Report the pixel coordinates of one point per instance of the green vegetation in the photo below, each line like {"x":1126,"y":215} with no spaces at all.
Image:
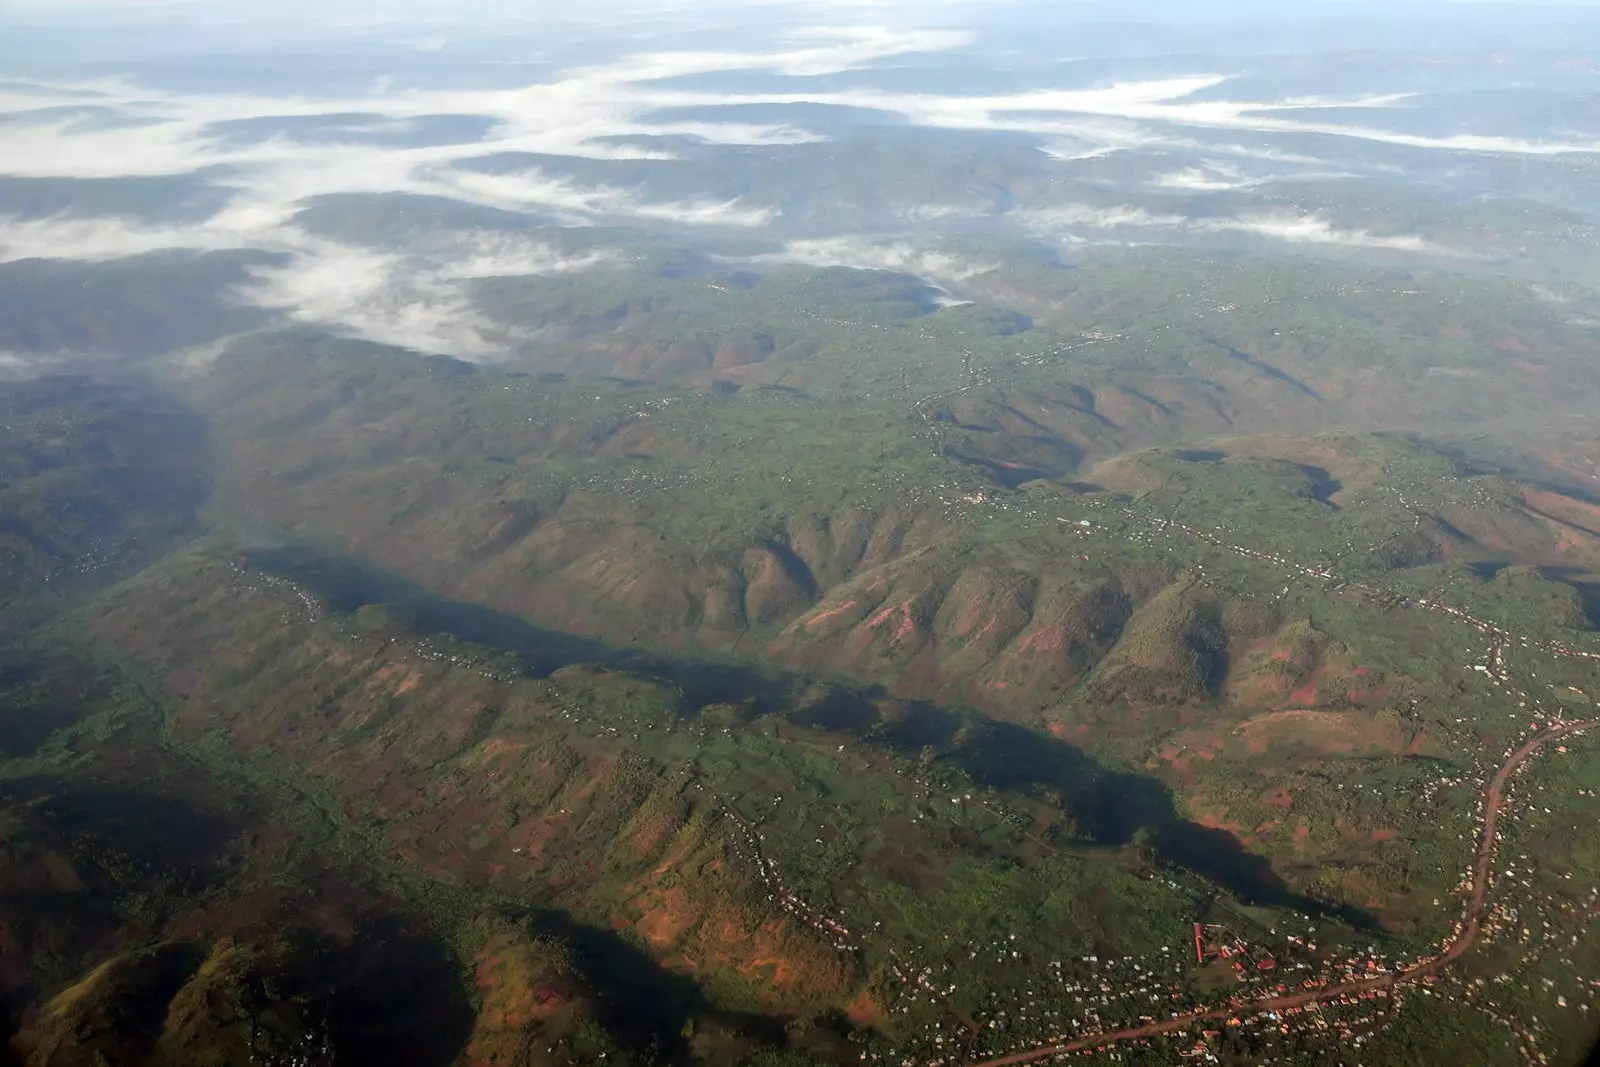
{"x":772,"y":668}
{"x":127,"y":309}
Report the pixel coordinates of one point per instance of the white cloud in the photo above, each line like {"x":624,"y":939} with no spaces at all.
{"x":93,"y":240}
{"x":1210,"y":178}
{"x":592,"y":112}
{"x":415,"y":299}
{"x":1294,"y":229}
{"x":832,"y":49}
{"x":1271,"y":155}
{"x":1312,"y":229}
{"x":1546,"y":295}
{"x":20,"y":365}
{"x":534,"y":189}
{"x":582,"y":113}
{"x":1083,"y":113}
{"x":365,"y":293}
{"x":1215,"y":177}
{"x":733,"y":133}
{"x":940,"y":212}
{"x":1100,"y":218}
{"x":900,"y":256}
{"x":498,"y":255}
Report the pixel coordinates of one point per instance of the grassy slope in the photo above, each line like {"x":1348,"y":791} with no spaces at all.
{"x":878,"y":539}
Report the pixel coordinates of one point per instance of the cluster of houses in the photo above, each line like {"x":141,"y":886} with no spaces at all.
{"x":840,"y":935}
{"x":1074,"y":1001}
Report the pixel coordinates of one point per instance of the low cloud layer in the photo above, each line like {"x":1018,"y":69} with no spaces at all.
{"x":601,"y":112}
{"x":417,"y":299}
{"x":1302,"y":229}
{"x":535,"y":190}
{"x":414,"y":299}
{"x":902,"y":257}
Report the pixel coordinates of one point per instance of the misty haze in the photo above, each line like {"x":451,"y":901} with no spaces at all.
{"x":838,"y":534}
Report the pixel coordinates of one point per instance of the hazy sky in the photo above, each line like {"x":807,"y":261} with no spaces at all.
{"x":1514,"y":18}
{"x":276,"y":23}
{"x":536,"y":9}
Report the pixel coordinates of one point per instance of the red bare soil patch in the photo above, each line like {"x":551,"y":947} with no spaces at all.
{"x":864,"y":1011}
{"x":667,"y":917}
{"x":1217,"y":820}
{"x":1305,"y":696}
{"x":826,"y":613}
{"x":767,"y":952}
{"x":904,"y":623}
{"x":1182,"y":748}
{"x":516,"y":991}
{"x":650,"y":834}
{"x":790,"y":960}
{"x":522,"y":991}
{"x":1060,"y":729}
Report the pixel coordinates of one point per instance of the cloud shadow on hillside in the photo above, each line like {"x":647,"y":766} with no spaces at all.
{"x":1110,"y":806}
{"x":646,"y":1006}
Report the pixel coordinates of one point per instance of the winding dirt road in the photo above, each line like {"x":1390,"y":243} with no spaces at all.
{"x":1494,"y":795}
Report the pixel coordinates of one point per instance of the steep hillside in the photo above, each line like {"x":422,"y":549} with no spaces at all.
{"x":161,"y":911}
{"x":672,"y":519}
{"x":472,"y":770}
{"x":554,"y":705}
{"x":96,"y":480}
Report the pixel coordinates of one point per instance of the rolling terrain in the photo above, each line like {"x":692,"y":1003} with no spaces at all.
{"x":747,"y":543}
{"x":571,"y":689}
